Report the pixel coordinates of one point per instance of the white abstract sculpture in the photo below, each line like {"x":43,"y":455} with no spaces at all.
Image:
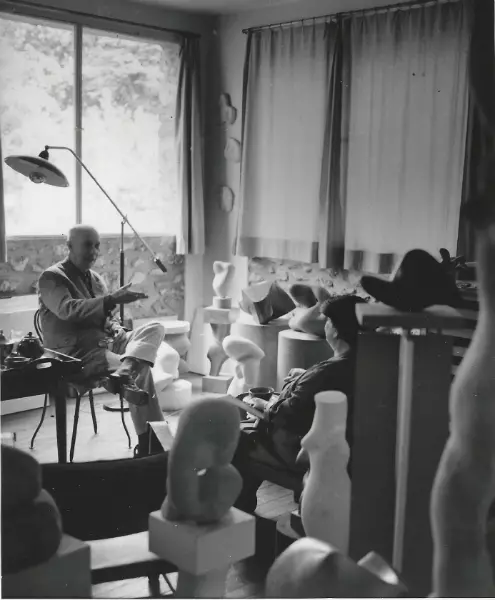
{"x":326,"y":500}
{"x":224,"y":273}
{"x":247,"y":356}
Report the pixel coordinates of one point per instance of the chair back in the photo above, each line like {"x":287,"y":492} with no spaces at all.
{"x":110,"y":498}
{"x":37,"y":324}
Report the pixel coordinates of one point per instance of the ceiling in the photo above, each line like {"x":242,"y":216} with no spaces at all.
{"x":218,"y":6}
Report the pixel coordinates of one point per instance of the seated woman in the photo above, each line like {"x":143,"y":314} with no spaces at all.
{"x":291,"y":416}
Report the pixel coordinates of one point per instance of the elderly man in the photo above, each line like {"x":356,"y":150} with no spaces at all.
{"x":76,"y":319}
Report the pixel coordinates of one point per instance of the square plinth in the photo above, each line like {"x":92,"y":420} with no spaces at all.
{"x":198,"y":549}
{"x":220,"y":316}
{"x":66,"y":575}
{"x":216,"y":385}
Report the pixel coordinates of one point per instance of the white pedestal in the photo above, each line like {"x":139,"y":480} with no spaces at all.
{"x":198,"y":549}
{"x":216,"y":385}
{"x":65,"y":575}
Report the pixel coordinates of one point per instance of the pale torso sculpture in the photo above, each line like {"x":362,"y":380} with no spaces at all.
{"x":464,"y":488}
{"x":224,"y":273}
{"x":202,"y":484}
{"x":326,"y":500}
{"x":248,"y":357}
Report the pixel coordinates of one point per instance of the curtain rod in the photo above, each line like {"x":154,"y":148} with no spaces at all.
{"x":343,"y":15}
{"x":14,"y":5}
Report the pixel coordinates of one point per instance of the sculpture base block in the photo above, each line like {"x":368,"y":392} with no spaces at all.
{"x":221,"y":316}
{"x":199,"y":549}
{"x":65,"y":575}
{"x":219,"y":302}
{"x":216,"y":385}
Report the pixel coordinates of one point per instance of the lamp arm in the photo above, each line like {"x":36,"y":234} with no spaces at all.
{"x":156,"y":260}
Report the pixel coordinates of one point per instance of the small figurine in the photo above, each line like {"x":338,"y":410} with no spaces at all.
{"x":248,"y":357}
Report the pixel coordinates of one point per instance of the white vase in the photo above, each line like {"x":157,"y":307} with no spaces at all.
{"x":326,"y":500}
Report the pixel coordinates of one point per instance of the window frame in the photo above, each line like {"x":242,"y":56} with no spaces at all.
{"x":78,"y":21}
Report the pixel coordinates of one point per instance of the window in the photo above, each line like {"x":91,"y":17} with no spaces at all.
{"x":128,"y":92}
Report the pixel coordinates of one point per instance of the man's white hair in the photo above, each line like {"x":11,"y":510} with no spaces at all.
{"x":78,"y":230}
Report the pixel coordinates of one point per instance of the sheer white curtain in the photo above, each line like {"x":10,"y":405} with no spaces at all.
{"x":408,"y":117}
{"x":284,"y":119}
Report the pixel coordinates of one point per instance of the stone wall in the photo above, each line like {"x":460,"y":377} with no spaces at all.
{"x":28,"y":257}
{"x":287,"y":272}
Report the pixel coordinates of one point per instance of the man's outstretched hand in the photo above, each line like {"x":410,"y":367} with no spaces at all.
{"x":125,"y":295}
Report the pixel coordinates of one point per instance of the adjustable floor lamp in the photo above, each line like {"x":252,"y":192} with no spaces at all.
{"x":40,"y":170}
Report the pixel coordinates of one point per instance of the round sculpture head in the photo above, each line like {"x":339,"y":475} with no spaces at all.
{"x":310,"y":568}
{"x":202,"y":485}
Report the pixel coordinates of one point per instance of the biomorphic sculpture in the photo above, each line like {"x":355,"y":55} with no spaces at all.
{"x":326,"y":500}
{"x":31,"y":522}
{"x":266,"y":301}
{"x":247,"y":356}
{"x":202,"y":484}
{"x":306,"y":317}
{"x":310,"y":568}
{"x":464,"y":488}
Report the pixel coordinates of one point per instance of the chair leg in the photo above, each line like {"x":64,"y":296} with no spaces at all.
{"x":45,"y":404}
{"x":93,"y":413}
{"x":123,"y":419}
{"x":74,"y":427}
{"x":154,"y":585}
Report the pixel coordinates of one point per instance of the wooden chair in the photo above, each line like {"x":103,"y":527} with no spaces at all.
{"x":107,"y":504}
{"x":76,"y":389}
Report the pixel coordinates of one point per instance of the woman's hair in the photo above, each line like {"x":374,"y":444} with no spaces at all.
{"x":342,"y":312}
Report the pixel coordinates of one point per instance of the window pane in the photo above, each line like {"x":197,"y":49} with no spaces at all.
{"x":129,"y":94}
{"x":36,"y":109}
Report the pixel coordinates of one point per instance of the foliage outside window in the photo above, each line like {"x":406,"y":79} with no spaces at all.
{"x":129,"y":88}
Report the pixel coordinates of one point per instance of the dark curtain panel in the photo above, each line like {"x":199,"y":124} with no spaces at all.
{"x":481,"y":126}
{"x":331,"y":246}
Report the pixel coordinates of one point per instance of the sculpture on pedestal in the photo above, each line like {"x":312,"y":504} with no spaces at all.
{"x":464,"y":488}
{"x":31,"y":522}
{"x":202,"y":484}
{"x":248,"y":357}
{"x":266,"y":301}
{"x":310,"y":568}
{"x":419,"y":282}
{"x":307,"y":317}
{"x":326,"y":499}
{"x":224,"y":273}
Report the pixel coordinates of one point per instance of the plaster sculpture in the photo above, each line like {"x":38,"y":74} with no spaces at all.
{"x":464,"y":488}
{"x":247,"y":356}
{"x":233,"y":150}
{"x":224,"y":273}
{"x":31,"y":522}
{"x":266,"y":301}
{"x":326,"y":499}
{"x":310,"y":568}
{"x":227,"y":198}
{"x":307,"y":317}
{"x":197,"y":528}
{"x":228,"y":113}
{"x":202,"y":484}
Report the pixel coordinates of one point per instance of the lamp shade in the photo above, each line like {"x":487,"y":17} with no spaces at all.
{"x":38,"y":170}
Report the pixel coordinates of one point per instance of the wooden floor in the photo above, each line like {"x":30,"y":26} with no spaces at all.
{"x":245,"y":579}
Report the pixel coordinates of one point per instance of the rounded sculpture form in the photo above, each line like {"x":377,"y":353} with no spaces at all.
{"x":248,"y":357}
{"x":310,"y":568}
{"x":202,"y":484}
{"x":31,"y":521}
